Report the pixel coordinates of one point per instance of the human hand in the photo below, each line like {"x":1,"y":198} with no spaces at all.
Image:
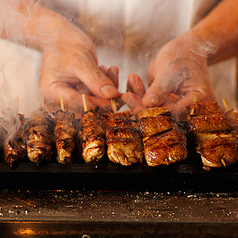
{"x":69,"y":68}
{"x":179,"y":75}
{"x":135,"y":92}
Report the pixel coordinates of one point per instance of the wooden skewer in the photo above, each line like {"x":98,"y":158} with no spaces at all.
{"x":85,"y":106}
{"x":114,"y":107}
{"x":225,"y":104}
{"x":193,"y":109}
{"x":62,"y":102}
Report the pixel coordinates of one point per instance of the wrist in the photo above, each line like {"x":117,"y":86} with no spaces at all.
{"x":198,"y":46}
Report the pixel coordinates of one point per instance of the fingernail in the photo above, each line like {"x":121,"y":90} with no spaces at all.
{"x":152,"y":98}
{"x":108,"y":91}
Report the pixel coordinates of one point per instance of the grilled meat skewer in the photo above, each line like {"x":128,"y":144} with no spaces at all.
{"x":124,"y":144}
{"x":213,"y":134}
{"x":40,"y":140}
{"x":163,"y":141}
{"x":65,"y":135}
{"x":91,"y":136}
{"x":232,"y":117}
{"x":15,"y":149}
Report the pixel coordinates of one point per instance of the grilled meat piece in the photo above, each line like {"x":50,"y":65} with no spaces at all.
{"x":163,"y":141}
{"x":152,"y":112}
{"x":40,"y":140}
{"x":218,"y":152}
{"x":208,"y":123}
{"x":152,"y":125}
{"x":65,"y":135}
{"x":123,"y":139}
{"x":15,"y":149}
{"x":204,"y":108}
{"x":165,"y":148}
{"x":232,"y":117}
{"x":120,"y":119}
{"x":91,"y":137}
{"x":213,"y":134}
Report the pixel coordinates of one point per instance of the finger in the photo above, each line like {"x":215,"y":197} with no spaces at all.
{"x":155,"y":96}
{"x":135,"y":85}
{"x":103,"y":104}
{"x":103,"y":69}
{"x":133,"y":102}
{"x":113,"y":74}
{"x":97,"y":82}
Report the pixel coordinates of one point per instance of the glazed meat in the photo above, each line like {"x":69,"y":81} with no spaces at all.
{"x":165,"y":148}
{"x":232,"y":117}
{"x":218,"y":152}
{"x":15,"y":149}
{"x":65,"y":135}
{"x":210,"y":108}
{"x":209,"y":128}
{"x":208,"y":123}
{"x":40,"y":137}
{"x":91,"y":137}
{"x":150,"y":126}
{"x":123,"y":139}
{"x":163,"y":141}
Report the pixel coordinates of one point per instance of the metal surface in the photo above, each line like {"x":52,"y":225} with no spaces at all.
{"x":117,"y":214}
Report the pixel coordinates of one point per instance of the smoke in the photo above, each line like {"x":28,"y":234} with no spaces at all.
{"x":126,"y":33}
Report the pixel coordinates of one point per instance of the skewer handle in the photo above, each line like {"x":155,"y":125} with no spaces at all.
{"x":85,"y":106}
{"x":225,"y":104}
{"x":114,"y":107}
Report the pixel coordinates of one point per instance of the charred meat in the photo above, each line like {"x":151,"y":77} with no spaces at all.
{"x":40,"y":137}
{"x":65,"y":135}
{"x":15,"y":149}
{"x":164,"y":142}
{"x":92,"y":137}
{"x":123,"y":138}
{"x":208,"y":126}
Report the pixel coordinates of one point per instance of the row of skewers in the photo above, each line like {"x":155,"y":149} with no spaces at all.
{"x":154,"y":136}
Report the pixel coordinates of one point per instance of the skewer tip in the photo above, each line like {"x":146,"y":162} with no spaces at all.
{"x":223,"y":162}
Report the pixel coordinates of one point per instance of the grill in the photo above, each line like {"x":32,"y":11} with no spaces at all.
{"x":109,"y":200}
{"x":187,"y":175}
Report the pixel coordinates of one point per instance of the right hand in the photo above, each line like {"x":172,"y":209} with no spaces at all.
{"x":178,"y":76}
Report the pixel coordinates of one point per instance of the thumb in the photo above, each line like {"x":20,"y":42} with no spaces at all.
{"x":155,"y":95}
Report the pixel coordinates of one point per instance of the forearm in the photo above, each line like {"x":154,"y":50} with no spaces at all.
{"x":29,"y":23}
{"x":220,"y":29}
